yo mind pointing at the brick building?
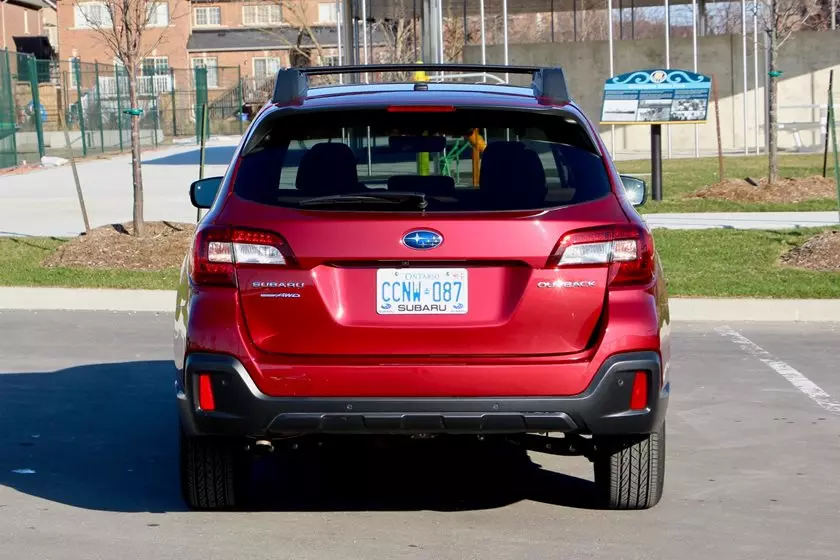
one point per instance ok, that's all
(258, 36)
(261, 37)
(168, 32)
(27, 19)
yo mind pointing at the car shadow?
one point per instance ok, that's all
(104, 437)
(213, 155)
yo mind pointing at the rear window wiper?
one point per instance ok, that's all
(415, 199)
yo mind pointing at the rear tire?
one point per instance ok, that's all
(212, 473)
(630, 470)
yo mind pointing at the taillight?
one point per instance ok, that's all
(217, 251)
(627, 249)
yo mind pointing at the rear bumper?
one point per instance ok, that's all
(242, 410)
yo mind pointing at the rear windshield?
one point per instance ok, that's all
(451, 160)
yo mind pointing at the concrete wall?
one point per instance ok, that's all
(806, 60)
(28, 141)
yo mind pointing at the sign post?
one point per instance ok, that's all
(656, 97)
(656, 161)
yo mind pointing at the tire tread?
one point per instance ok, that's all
(208, 473)
(630, 470)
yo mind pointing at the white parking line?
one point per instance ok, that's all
(811, 389)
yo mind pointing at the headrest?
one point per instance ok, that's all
(512, 176)
(328, 168)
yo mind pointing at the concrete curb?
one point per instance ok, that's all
(161, 301)
(730, 310)
(71, 299)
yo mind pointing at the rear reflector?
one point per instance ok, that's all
(638, 398)
(205, 393)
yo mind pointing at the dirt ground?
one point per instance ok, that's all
(788, 190)
(164, 245)
(821, 252)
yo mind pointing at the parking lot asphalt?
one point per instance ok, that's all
(87, 419)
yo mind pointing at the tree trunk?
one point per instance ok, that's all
(136, 172)
(773, 97)
(772, 113)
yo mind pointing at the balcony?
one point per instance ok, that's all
(109, 86)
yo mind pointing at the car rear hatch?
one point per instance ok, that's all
(371, 246)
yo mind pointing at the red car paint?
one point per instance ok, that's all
(518, 339)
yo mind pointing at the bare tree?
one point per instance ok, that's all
(400, 40)
(779, 19)
(122, 25)
(306, 48)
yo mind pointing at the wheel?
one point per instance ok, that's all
(630, 470)
(212, 473)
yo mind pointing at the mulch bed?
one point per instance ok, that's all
(788, 190)
(18, 170)
(164, 245)
(821, 252)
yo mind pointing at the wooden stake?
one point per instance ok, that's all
(717, 124)
(827, 122)
(76, 179)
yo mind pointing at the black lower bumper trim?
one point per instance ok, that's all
(242, 410)
(360, 423)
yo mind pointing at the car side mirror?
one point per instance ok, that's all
(635, 189)
(203, 192)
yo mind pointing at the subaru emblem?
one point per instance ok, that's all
(422, 239)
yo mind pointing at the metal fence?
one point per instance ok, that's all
(40, 98)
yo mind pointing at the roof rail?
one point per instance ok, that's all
(292, 83)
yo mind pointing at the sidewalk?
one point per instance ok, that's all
(743, 220)
(43, 202)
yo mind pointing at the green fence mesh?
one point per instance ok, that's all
(8, 119)
(40, 98)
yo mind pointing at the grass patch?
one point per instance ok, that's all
(739, 263)
(684, 176)
(711, 263)
(20, 265)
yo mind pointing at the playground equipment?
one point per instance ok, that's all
(452, 157)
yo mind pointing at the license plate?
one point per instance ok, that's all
(421, 291)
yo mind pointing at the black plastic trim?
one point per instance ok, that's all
(241, 409)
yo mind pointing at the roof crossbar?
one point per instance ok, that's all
(292, 84)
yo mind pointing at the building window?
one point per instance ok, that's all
(261, 15)
(158, 14)
(71, 71)
(207, 16)
(327, 12)
(90, 15)
(266, 66)
(212, 66)
(330, 60)
(155, 76)
(156, 66)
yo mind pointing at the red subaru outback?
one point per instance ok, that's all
(434, 258)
